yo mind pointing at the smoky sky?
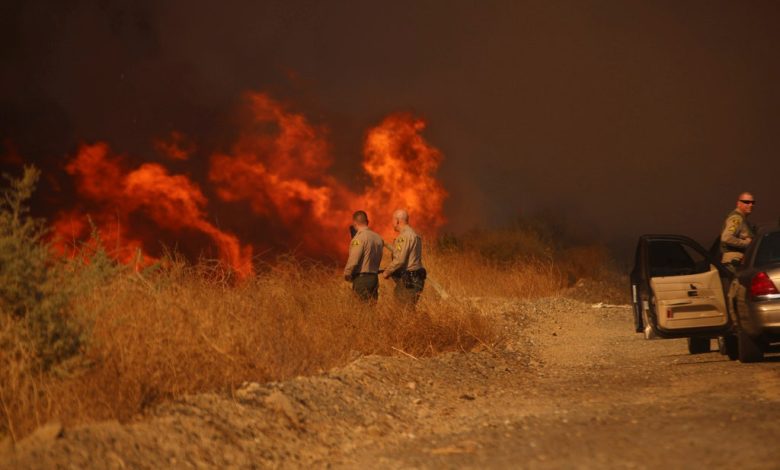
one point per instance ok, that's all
(615, 117)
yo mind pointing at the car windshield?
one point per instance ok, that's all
(769, 249)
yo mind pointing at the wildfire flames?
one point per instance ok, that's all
(277, 167)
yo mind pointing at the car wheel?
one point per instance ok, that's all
(698, 345)
(749, 348)
(727, 345)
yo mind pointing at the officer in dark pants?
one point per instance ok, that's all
(406, 269)
(365, 255)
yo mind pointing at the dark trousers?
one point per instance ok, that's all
(408, 287)
(366, 286)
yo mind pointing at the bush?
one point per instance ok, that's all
(43, 328)
(30, 281)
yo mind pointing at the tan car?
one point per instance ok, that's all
(680, 290)
(754, 300)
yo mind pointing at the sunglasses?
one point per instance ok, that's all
(744, 201)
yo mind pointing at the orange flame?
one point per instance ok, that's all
(173, 202)
(283, 176)
(401, 165)
(278, 166)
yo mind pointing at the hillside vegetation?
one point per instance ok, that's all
(84, 338)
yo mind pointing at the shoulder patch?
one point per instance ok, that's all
(355, 242)
(733, 223)
(400, 239)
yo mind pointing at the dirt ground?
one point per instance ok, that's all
(574, 387)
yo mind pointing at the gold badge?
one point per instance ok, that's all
(355, 242)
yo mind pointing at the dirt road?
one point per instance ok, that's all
(574, 388)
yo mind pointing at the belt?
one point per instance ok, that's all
(405, 272)
(365, 274)
(415, 271)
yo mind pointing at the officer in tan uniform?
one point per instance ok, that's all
(406, 267)
(737, 232)
(365, 255)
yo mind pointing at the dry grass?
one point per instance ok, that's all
(524, 262)
(186, 329)
(469, 274)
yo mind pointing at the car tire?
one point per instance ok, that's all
(727, 345)
(749, 347)
(698, 345)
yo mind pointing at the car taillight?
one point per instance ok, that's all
(762, 285)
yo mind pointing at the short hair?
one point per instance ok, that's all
(743, 193)
(360, 217)
(401, 215)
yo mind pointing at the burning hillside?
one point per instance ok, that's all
(276, 174)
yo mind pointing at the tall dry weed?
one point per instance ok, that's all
(184, 329)
(469, 274)
(531, 258)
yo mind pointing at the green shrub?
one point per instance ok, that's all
(38, 290)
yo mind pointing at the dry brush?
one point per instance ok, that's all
(91, 339)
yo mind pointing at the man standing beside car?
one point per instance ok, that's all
(738, 232)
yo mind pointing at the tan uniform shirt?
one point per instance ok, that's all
(407, 251)
(733, 238)
(365, 253)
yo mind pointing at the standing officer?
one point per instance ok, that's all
(365, 255)
(737, 232)
(406, 268)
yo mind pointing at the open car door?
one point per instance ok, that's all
(678, 288)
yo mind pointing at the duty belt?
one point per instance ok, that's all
(421, 273)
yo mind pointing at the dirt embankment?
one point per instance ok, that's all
(573, 387)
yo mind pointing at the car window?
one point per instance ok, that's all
(675, 258)
(768, 249)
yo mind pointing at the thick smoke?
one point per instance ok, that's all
(618, 117)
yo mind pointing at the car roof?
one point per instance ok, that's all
(667, 237)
